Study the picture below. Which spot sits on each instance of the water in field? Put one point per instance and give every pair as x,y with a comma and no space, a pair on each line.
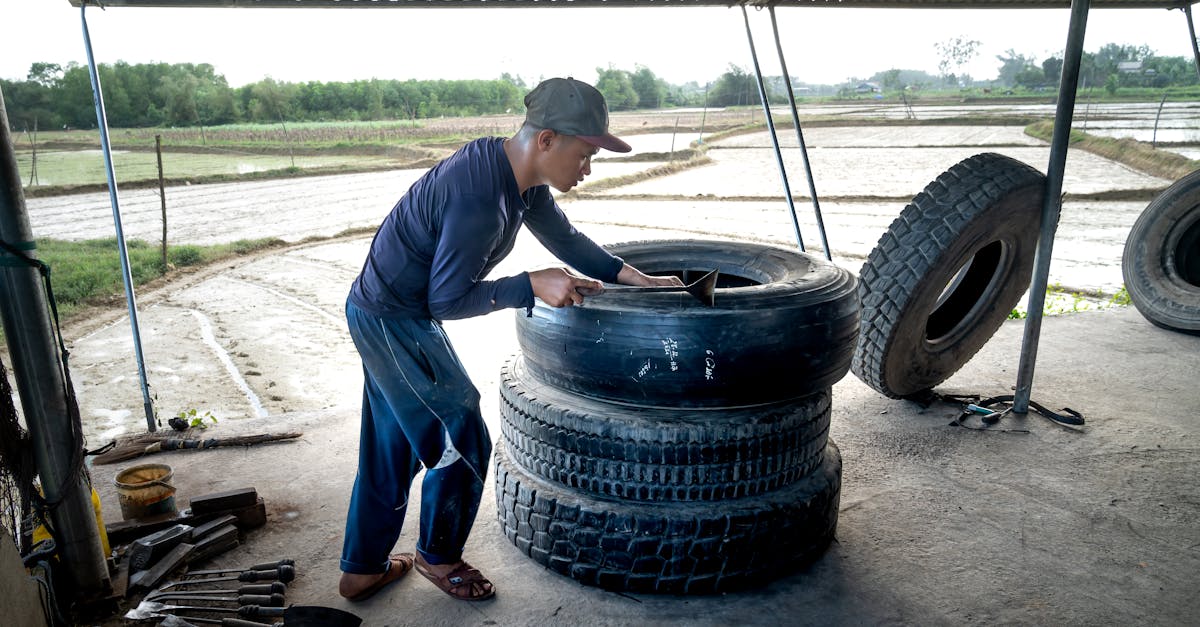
86,167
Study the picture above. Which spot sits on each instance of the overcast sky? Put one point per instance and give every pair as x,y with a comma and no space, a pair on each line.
679,44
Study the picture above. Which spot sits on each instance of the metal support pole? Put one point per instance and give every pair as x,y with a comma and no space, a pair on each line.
41,385
762,94
1052,203
1187,10
126,276
812,185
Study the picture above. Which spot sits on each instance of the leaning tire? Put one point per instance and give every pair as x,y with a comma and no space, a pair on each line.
783,327
1161,262
947,273
659,455
669,547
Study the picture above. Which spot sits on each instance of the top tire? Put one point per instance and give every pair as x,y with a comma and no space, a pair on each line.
783,326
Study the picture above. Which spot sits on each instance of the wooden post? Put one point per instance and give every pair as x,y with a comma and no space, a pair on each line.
162,196
33,177
673,133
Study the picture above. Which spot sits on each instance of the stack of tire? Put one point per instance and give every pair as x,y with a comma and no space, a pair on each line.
654,444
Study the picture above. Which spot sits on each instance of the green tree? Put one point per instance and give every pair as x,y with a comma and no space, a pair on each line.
30,106
1012,65
651,90
891,80
269,101
955,53
1164,71
1052,71
617,87
45,74
734,88
515,81
1111,84
73,98
177,92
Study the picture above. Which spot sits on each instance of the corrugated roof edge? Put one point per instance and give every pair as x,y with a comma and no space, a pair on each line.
442,4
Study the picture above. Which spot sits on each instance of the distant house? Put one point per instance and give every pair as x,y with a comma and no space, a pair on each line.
867,88
1129,67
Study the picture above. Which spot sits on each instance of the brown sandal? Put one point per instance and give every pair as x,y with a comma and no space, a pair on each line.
398,566
459,583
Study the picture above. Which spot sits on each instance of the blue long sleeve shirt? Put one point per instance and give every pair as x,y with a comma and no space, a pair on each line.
430,257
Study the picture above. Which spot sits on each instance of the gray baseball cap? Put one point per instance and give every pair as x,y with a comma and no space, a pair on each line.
572,107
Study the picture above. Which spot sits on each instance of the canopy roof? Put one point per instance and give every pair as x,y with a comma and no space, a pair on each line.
440,4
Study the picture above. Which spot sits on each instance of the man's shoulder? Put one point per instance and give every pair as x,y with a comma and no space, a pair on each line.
484,150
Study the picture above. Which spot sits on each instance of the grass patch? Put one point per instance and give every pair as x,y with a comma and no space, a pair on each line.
1061,301
278,139
61,172
1126,150
88,273
617,181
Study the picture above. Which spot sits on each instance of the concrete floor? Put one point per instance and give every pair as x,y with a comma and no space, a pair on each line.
1028,522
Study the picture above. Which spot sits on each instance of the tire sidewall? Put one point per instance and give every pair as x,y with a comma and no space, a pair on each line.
1148,266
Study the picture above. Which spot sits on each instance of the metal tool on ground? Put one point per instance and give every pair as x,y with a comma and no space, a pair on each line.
171,620
703,289
294,616
147,609
263,566
149,445
283,573
265,600
275,587
319,616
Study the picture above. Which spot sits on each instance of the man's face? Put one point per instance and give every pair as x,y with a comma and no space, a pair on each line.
568,160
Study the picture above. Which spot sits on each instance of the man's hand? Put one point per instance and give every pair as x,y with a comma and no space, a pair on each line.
558,288
630,275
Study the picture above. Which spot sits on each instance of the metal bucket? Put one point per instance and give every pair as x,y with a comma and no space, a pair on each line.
145,490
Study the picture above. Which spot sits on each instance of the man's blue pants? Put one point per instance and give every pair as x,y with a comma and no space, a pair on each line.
419,408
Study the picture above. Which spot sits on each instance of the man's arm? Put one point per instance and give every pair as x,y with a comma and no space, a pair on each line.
465,242
630,275
546,220
550,225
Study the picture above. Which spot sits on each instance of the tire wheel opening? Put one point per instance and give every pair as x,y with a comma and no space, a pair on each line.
964,293
1187,255
725,278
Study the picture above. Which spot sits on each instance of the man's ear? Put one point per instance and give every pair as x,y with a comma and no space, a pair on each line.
545,138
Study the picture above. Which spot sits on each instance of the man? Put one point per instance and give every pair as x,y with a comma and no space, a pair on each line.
427,263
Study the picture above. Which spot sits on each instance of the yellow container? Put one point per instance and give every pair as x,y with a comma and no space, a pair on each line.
41,533
145,490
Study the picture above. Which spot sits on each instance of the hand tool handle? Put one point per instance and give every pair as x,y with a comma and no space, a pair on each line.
258,610
275,587
269,600
283,573
239,622
270,565
263,566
